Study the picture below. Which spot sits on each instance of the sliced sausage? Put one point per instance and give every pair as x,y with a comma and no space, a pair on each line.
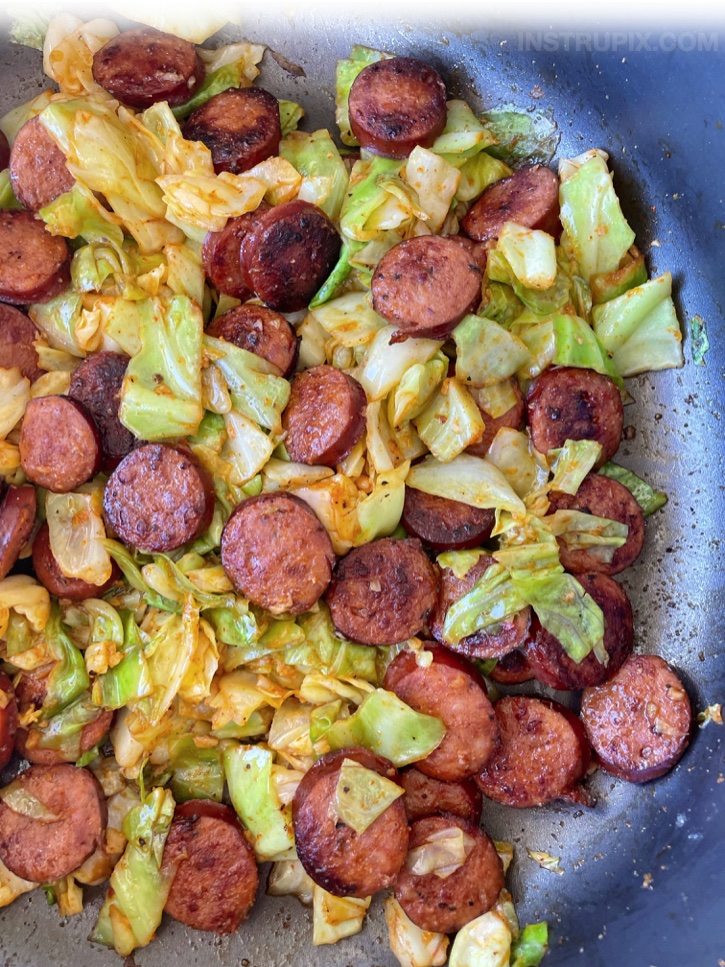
602,497
97,384
48,572
277,553
543,753
261,331
495,642
144,65
492,424
288,254
566,403
240,126
8,720
639,723
38,169
426,285
396,104
31,687
445,904
158,498
4,152
17,516
446,525
383,592
338,859
512,669
529,197
17,336
60,447
325,416
215,877
47,851
221,255
425,796
27,741
34,265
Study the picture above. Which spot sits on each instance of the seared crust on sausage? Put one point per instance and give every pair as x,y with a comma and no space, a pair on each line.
60,447
492,424
221,255
639,723
425,796
529,197
261,331
47,851
277,553
338,859
48,572
17,516
8,720
159,497
396,104
566,403
4,152
512,669
325,416
145,65
17,335
34,265
446,525
445,904
426,285
38,169
97,384
383,592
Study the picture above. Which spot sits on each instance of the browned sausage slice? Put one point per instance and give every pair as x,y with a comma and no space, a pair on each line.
529,197
261,331
38,169
4,152
445,904
17,335
639,723
8,720
512,669
47,851
97,384
454,691
144,65
383,592
426,285
221,256
543,753
158,498
215,877
288,254
498,640
17,516
277,553
446,525
602,497
574,404
48,572
34,265
425,796
60,447
396,104
240,126
338,859
325,416
492,424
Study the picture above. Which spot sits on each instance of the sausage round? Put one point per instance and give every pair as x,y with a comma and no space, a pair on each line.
396,104
48,572
158,498
543,753
566,403
277,553
97,384
529,197
425,796
221,255
34,265
426,285
602,497
17,516
445,904
215,877
241,127
60,447
492,424
288,254
17,335
498,640
38,169
446,525
261,331
26,741
335,857
383,592
44,852
512,669
8,720
4,152
325,416
551,664
639,722
145,65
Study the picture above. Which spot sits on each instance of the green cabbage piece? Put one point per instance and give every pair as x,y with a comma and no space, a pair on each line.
58,318
62,732
256,391
129,680
366,193
500,304
699,340
529,947
477,173
385,364
415,389
543,302
575,344
334,281
522,136
493,598
573,462
78,213
531,255
565,610
248,771
463,136
8,201
132,574
69,677
197,773
580,530
486,352
234,626
323,651
350,319
345,73
30,27
466,478
230,75
362,795
290,115
451,421
315,156
646,496
610,285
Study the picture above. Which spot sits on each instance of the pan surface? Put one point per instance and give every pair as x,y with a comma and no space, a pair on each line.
642,885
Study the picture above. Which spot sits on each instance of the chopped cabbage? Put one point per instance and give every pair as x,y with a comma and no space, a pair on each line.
247,449
463,136
68,678
362,795
169,655
413,946
646,496
466,478
573,462
511,452
487,353
334,917
598,535
450,422
522,136
288,878
12,886
435,181
368,192
256,392
529,947
350,319
576,345
484,942
610,285
385,363
324,175
492,599
477,173
14,397
76,530
232,66
68,51
413,392
290,115
441,853
345,73
543,302
248,771
531,255
197,771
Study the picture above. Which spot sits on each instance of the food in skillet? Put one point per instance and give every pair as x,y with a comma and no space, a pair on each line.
305,448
